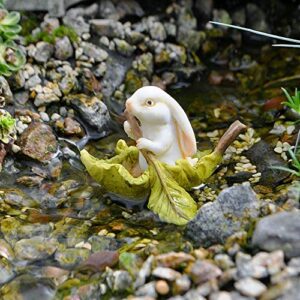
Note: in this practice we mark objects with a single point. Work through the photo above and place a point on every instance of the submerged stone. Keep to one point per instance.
(72, 257)
(35, 248)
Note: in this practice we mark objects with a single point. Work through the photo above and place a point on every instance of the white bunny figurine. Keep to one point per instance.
(166, 129)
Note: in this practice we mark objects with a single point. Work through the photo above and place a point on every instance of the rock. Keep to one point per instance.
(162, 287)
(94, 52)
(71, 257)
(116, 10)
(33, 81)
(204, 9)
(173, 259)
(28, 287)
(101, 243)
(42, 99)
(144, 272)
(6, 95)
(98, 261)
(116, 69)
(166, 273)
(17, 198)
(120, 281)
(38, 142)
(269, 176)
(181, 285)
(91, 109)
(35, 248)
(107, 27)
(234, 209)
(268, 235)
(157, 31)
(69, 126)
(147, 290)
(124, 48)
(63, 48)
(203, 271)
(191, 39)
(129, 8)
(250, 287)
(6, 271)
(49, 24)
(16, 80)
(256, 19)
(43, 52)
(144, 64)
(77, 23)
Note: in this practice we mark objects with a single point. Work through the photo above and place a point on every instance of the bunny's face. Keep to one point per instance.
(148, 104)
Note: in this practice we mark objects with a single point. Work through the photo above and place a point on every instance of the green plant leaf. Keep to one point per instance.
(168, 199)
(113, 173)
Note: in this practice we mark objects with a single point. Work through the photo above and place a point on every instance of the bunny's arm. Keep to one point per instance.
(157, 147)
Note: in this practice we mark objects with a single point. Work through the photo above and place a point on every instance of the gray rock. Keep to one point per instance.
(191, 39)
(157, 31)
(63, 48)
(232, 211)
(43, 52)
(33, 81)
(147, 290)
(35, 248)
(204, 9)
(256, 18)
(71, 257)
(77, 23)
(6, 95)
(17, 80)
(124, 48)
(91, 109)
(279, 231)
(94, 52)
(250, 287)
(117, 67)
(107, 27)
(116, 10)
(121, 281)
(6, 271)
(44, 99)
(263, 156)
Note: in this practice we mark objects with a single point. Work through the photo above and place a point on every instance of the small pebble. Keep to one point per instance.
(250, 287)
(162, 287)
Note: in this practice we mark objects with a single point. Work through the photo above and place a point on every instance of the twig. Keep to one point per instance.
(229, 136)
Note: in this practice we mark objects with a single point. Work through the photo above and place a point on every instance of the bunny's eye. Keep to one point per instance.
(149, 102)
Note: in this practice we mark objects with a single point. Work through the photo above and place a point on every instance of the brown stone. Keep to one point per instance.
(38, 142)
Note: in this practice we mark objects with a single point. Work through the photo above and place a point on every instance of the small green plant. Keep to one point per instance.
(50, 37)
(7, 127)
(293, 101)
(295, 164)
(11, 57)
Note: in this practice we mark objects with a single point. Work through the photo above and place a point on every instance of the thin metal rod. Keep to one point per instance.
(286, 45)
(274, 36)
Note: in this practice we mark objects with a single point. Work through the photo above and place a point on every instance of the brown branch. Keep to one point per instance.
(229, 136)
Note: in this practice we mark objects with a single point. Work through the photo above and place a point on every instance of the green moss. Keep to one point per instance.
(29, 22)
(58, 32)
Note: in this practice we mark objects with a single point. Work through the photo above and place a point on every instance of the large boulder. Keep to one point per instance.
(233, 210)
(279, 231)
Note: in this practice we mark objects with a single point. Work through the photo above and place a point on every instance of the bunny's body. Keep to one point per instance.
(166, 130)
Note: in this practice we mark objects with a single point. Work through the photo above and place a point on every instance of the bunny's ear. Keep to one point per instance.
(184, 130)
